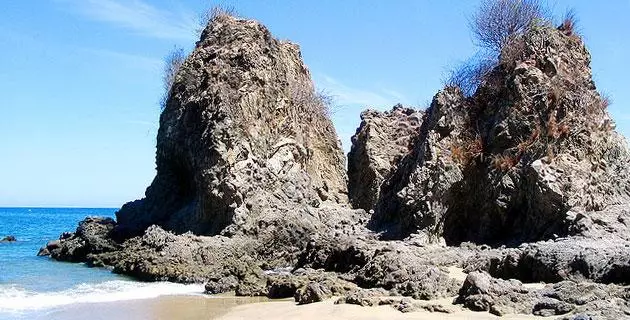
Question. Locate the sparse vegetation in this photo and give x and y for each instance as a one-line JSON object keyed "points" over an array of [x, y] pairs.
{"points": [[213, 13], [495, 26], [469, 75], [465, 151], [504, 162], [172, 63], [496, 22], [568, 23]]}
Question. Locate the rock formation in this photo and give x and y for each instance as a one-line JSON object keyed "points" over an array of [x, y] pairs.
{"points": [[533, 148], [381, 140], [524, 181], [242, 132]]}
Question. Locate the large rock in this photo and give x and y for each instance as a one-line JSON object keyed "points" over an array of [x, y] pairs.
{"points": [[381, 140], [415, 196], [517, 161], [549, 145], [92, 236], [243, 135]]}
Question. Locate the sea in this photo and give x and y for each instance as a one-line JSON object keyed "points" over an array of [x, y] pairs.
{"points": [[32, 286]]}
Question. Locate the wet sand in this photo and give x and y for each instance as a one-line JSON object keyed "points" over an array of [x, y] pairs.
{"points": [[229, 307], [233, 308], [166, 307]]}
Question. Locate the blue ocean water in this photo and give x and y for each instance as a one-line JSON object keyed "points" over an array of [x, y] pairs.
{"points": [[31, 285]]}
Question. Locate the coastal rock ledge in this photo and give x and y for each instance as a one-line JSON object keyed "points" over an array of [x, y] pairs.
{"points": [[524, 181]]}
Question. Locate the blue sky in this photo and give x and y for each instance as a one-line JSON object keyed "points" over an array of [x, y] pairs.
{"points": [[81, 79]]}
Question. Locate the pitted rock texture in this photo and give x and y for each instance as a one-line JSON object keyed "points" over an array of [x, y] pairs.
{"points": [[568, 299], [381, 140], [92, 236], [533, 147], [415, 196], [243, 133]]}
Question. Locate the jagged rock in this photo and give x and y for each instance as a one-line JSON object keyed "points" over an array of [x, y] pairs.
{"points": [[533, 147], [481, 292], [312, 292], [576, 258], [307, 286], [242, 137], [415, 196], [91, 237], [407, 274], [381, 140], [8, 238], [549, 145], [364, 297]]}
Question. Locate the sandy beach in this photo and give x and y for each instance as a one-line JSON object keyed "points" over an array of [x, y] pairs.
{"points": [[232, 308], [229, 307]]}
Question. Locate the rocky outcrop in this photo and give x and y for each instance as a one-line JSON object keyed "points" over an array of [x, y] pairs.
{"points": [[549, 145], [243, 135], [571, 300], [381, 140], [8, 238], [533, 148], [524, 180], [415, 197], [92, 236]]}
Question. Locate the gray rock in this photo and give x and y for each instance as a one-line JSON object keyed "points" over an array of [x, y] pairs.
{"points": [[514, 162], [380, 142], [243, 137], [480, 292], [415, 196], [92, 236], [312, 292], [8, 238]]}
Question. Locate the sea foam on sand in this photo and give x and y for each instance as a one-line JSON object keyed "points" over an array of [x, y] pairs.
{"points": [[15, 299]]}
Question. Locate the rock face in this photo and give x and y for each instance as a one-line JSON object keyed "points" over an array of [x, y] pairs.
{"points": [[416, 194], [530, 150], [242, 132], [381, 140]]}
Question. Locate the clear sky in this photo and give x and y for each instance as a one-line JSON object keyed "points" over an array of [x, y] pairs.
{"points": [[80, 80]]}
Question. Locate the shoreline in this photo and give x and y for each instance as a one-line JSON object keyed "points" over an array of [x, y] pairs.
{"points": [[227, 307], [162, 307]]}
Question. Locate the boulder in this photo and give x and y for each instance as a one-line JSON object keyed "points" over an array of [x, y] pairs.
{"points": [[8, 238], [92, 236], [381, 141]]}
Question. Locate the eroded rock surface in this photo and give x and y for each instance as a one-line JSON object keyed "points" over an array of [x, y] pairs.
{"points": [[530, 151], [243, 136], [381, 140]]}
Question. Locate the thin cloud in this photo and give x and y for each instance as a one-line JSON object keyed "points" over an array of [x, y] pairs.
{"points": [[137, 16], [130, 60], [346, 95]]}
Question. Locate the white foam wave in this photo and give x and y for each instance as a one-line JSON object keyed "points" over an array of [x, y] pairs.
{"points": [[13, 298]]}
